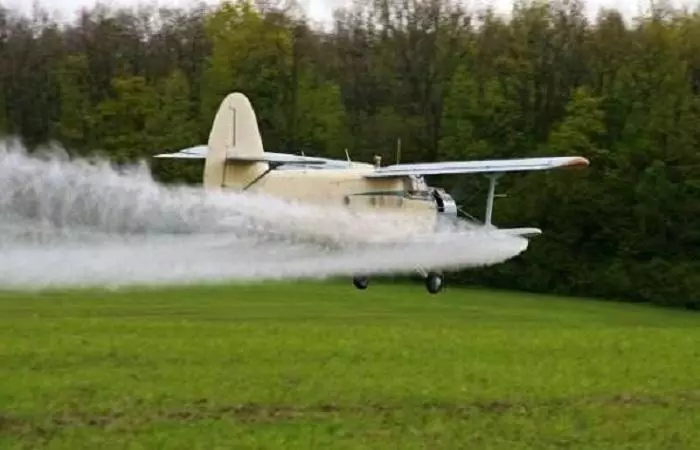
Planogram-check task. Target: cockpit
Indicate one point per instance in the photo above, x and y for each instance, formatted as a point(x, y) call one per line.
point(415, 186)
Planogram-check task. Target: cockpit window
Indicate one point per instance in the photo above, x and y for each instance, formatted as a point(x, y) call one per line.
point(416, 185)
point(419, 183)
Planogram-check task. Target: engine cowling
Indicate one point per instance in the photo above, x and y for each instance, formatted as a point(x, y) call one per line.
point(446, 206)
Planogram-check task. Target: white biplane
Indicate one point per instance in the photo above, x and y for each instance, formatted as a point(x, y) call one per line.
point(234, 158)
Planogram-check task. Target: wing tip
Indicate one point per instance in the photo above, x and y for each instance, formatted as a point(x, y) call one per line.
point(578, 162)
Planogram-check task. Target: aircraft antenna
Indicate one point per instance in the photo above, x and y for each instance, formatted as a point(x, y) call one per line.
point(398, 150)
point(347, 155)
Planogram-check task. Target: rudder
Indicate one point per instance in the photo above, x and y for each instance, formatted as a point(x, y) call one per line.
point(234, 134)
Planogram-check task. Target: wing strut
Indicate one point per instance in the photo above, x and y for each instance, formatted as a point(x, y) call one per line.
point(489, 199)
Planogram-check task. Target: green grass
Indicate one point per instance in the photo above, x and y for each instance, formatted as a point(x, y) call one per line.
point(327, 366)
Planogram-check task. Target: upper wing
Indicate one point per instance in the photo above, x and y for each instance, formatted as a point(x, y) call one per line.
point(485, 166)
point(200, 152)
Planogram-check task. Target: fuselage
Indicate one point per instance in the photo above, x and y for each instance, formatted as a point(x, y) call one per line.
point(347, 186)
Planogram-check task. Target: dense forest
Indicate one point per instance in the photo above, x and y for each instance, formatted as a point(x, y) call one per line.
point(450, 83)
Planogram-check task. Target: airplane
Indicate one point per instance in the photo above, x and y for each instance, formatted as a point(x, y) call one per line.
point(235, 158)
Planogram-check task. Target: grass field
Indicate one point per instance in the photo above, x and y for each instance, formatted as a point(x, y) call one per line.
point(326, 366)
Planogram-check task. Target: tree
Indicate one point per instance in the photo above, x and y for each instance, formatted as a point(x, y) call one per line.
point(124, 122)
point(252, 55)
point(75, 121)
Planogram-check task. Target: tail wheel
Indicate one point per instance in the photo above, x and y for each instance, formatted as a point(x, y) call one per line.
point(360, 282)
point(434, 282)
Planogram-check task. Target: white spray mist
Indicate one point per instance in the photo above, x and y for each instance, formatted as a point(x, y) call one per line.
point(70, 222)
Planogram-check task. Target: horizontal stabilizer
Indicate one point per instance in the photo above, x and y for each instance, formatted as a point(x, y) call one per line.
point(484, 166)
point(200, 152)
point(279, 158)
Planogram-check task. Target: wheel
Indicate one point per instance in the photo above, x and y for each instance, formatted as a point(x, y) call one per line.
point(360, 282)
point(434, 282)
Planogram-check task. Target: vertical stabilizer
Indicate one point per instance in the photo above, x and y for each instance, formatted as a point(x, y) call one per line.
point(234, 134)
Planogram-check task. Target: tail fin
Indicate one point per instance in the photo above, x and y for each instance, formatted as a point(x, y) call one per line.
point(234, 135)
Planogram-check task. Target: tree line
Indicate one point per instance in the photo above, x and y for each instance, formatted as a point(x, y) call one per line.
point(449, 82)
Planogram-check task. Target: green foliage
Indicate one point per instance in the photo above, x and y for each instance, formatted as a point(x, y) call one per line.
point(321, 119)
point(174, 113)
point(251, 54)
point(546, 81)
point(583, 122)
point(462, 113)
point(75, 118)
point(126, 122)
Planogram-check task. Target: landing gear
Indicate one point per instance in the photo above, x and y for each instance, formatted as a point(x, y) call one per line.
point(434, 282)
point(360, 282)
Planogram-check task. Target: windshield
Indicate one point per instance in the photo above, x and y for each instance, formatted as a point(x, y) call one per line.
point(416, 185)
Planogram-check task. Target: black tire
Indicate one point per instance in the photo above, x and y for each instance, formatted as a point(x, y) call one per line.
point(360, 282)
point(434, 282)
